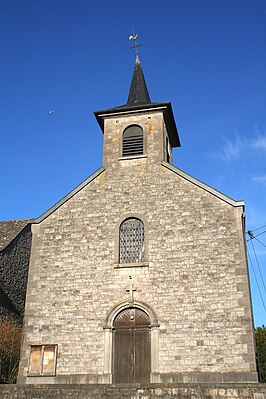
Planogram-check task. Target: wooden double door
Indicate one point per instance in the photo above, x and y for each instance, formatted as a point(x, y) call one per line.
point(131, 347)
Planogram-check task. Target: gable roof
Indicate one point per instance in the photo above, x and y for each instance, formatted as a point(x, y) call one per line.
point(10, 229)
point(202, 185)
point(68, 196)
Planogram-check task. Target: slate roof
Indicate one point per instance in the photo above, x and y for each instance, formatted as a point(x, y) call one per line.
point(138, 92)
point(139, 100)
point(165, 107)
point(138, 96)
point(9, 230)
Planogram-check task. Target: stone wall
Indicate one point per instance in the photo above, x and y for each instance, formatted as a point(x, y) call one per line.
point(232, 391)
point(14, 263)
point(194, 281)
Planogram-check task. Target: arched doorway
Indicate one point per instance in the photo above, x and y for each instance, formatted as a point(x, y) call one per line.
point(131, 346)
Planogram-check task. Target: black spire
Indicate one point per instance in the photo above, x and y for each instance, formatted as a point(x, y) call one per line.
point(138, 92)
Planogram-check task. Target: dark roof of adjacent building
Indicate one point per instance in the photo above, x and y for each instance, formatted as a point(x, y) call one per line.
point(9, 230)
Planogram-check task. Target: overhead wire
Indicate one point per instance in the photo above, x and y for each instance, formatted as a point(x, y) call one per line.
point(261, 297)
point(257, 235)
point(257, 261)
point(260, 233)
point(259, 228)
point(260, 242)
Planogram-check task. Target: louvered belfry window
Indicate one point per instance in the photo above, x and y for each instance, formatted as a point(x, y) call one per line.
point(132, 141)
point(131, 241)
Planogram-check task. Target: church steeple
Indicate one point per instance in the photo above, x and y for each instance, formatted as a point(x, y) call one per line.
point(138, 92)
point(139, 129)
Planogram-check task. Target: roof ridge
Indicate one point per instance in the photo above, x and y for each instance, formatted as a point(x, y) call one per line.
point(203, 185)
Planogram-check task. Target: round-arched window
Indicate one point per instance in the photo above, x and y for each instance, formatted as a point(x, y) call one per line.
point(132, 141)
point(131, 241)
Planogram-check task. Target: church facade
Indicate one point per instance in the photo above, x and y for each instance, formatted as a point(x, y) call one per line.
point(139, 274)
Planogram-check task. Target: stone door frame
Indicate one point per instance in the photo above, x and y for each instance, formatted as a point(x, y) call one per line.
point(108, 337)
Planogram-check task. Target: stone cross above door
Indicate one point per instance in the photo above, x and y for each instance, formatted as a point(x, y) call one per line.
point(130, 291)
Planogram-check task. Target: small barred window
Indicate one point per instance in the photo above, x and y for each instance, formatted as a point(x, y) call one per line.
point(132, 141)
point(131, 241)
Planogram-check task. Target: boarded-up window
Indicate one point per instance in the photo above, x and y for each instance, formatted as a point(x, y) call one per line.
point(42, 359)
point(131, 241)
point(35, 360)
point(132, 141)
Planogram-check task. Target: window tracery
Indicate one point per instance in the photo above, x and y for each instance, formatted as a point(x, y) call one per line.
point(131, 241)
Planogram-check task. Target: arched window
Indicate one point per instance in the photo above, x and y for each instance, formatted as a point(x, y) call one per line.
point(132, 141)
point(131, 241)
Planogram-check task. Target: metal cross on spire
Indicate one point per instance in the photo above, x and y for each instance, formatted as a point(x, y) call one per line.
point(135, 46)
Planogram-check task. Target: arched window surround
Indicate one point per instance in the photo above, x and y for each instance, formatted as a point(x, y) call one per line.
point(117, 241)
point(123, 127)
point(132, 141)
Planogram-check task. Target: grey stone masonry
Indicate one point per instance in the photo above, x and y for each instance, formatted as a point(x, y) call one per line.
point(193, 284)
point(152, 391)
point(14, 263)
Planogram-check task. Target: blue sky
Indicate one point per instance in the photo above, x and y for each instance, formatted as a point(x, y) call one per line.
point(207, 57)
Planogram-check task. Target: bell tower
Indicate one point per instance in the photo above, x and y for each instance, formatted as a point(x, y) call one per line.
point(138, 129)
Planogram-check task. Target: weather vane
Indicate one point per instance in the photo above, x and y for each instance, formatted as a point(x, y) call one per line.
point(135, 46)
